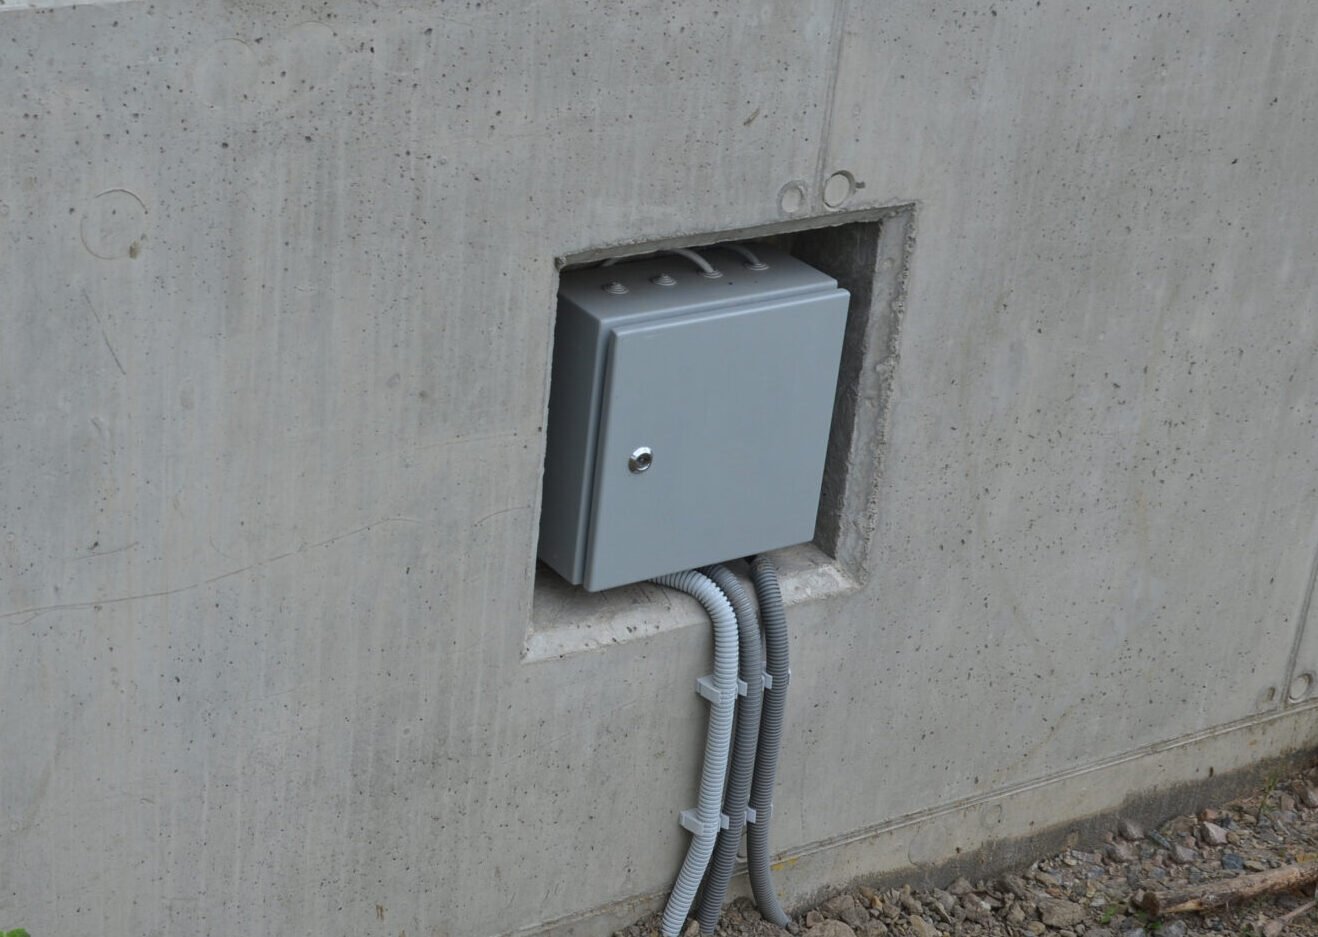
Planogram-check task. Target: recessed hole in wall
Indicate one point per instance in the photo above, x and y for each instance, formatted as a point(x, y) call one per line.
point(792, 198)
point(839, 188)
point(867, 253)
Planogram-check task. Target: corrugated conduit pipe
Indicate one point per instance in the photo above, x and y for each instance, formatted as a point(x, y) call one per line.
point(721, 690)
point(772, 616)
point(745, 738)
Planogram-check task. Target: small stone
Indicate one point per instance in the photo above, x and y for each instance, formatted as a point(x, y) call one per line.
point(829, 929)
point(1015, 915)
point(1036, 928)
point(1017, 886)
point(1120, 852)
point(1135, 932)
point(1129, 829)
point(870, 896)
point(944, 899)
point(1179, 826)
point(1212, 834)
point(1232, 862)
point(960, 887)
point(1098, 932)
point(837, 904)
point(873, 929)
point(1233, 839)
point(1306, 794)
point(1058, 912)
point(1047, 879)
point(919, 926)
point(813, 918)
point(1184, 855)
point(1161, 840)
point(1286, 802)
point(1173, 929)
point(1255, 866)
point(855, 916)
point(976, 909)
point(1210, 815)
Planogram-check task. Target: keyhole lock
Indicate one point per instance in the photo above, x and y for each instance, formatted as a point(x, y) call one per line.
point(640, 460)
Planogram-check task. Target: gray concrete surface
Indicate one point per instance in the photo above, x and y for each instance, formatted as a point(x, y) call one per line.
point(274, 338)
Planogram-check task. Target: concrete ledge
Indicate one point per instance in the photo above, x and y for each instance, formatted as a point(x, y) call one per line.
point(569, 620)
point(987, 835)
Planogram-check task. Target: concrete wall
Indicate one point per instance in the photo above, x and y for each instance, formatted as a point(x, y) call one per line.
point(278, 287)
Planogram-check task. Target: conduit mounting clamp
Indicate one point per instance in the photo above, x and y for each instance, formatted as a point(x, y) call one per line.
point(690, 821)
point(706, 687)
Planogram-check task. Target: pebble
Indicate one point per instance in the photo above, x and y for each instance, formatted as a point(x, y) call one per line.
point(1232, 862)
point(855, 916)
point(1121, 852)
point(1173, 929)
point(1307, 795)
point(830, 929)
point(1161, 840)
point(960, 887)
point(1184, 855)
point(1058, 912)
point(1129, 829)
point(919, 926)
point(837, 904)
point(1212, 834)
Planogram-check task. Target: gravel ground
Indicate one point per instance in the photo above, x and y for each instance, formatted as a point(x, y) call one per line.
point(1093, 891)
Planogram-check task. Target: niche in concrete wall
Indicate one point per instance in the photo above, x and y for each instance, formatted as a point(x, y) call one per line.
point(867, 253)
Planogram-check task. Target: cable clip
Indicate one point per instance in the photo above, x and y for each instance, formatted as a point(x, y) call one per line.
point(706, 687)
point(754, 816)
point(768, 679)
point(690, 820)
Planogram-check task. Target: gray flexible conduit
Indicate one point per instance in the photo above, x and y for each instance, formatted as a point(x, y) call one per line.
point(744, 742)
point(714, 772)
point(774, 619)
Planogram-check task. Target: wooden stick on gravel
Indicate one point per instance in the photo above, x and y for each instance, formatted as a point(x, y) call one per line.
point(1230, 891)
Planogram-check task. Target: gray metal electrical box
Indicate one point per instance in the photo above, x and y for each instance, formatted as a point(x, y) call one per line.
point(688, 413)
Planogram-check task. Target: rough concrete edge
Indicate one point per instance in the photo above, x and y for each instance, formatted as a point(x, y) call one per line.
point(832, 219)
point(862, 412)
point(827, 866)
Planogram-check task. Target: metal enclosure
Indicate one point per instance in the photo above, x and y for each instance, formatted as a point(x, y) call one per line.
point(688, 414)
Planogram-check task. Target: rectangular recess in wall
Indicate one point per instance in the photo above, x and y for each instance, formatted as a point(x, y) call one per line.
point(867, 253)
